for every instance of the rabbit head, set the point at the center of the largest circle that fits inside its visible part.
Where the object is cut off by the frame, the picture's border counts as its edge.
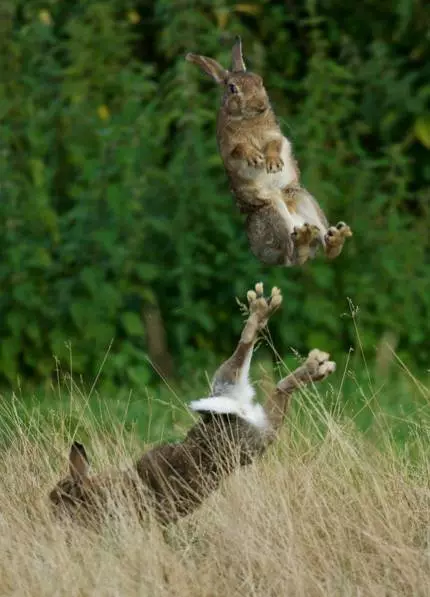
(244, 92)
(78, 489)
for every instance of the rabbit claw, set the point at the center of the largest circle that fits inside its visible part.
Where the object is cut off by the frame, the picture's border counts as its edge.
(274, 164)
(263, 306)
(305, 234)
(318, 365)
(304, 239)
(255, 160)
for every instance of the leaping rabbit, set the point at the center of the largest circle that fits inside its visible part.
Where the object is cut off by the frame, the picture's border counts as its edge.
(284, 222)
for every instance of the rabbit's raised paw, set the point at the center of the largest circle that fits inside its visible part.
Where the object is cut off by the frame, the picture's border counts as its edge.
(274, 164)
(318, 365)
(261, 305)
(305, 234)
(255, 159)
(335, 238)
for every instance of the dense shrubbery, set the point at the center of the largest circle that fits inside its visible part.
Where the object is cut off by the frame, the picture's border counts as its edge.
(115, 212)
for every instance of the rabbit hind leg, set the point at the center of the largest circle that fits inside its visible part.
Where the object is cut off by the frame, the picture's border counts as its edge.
(335, 239)
(235, 370)
(269, 235)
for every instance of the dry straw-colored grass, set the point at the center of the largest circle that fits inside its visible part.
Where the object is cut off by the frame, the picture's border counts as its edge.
(324, 514)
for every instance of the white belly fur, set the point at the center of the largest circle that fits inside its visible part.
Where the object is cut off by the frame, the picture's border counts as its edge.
(268, 186)
(291, 219)
(306, 214)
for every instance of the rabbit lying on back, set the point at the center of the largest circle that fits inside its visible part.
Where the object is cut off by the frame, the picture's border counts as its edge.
(233, 429)
(285, 224)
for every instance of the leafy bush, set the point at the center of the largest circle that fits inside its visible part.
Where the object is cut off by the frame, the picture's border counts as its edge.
(114, 200)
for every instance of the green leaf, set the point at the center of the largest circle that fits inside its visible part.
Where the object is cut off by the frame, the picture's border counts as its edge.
(139, 375)
(132, 323)
(147, 272)
(422, 130)
(9, 351)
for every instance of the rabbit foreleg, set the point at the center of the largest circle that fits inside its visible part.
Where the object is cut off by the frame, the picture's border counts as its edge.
(272, 154)
(252, 156)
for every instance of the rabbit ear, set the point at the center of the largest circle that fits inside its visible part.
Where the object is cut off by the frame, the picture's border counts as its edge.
(210, 66)
(78, 462)
(238, 64)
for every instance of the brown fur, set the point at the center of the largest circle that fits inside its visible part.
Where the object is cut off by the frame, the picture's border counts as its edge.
(263, 172)
(173, 479)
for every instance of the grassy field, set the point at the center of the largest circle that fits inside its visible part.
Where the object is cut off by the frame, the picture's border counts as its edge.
(340, 505)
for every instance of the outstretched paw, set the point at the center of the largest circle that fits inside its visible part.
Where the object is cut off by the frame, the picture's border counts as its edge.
(263, 307)
(335, 239)
(274, 164)
(316, 368)
(304, 238)
(305, 234)
(318, 365)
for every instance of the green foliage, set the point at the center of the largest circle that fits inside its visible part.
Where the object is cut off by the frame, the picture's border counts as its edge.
(113, 195)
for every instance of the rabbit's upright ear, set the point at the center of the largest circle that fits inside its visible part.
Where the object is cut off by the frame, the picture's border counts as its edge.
(78, 462)
(209, 66)
(237, 62)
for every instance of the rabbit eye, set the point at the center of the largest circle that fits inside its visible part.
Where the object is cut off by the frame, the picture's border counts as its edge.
(232, 88)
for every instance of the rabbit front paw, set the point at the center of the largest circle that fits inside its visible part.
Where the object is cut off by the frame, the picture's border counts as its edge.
(255, 159)
(335, 239)
(274, 163)
(252, 156)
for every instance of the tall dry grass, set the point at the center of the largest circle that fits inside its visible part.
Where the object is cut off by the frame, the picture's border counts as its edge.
(326, 513)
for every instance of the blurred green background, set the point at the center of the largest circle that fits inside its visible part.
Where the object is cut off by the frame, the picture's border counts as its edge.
(121, 247)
